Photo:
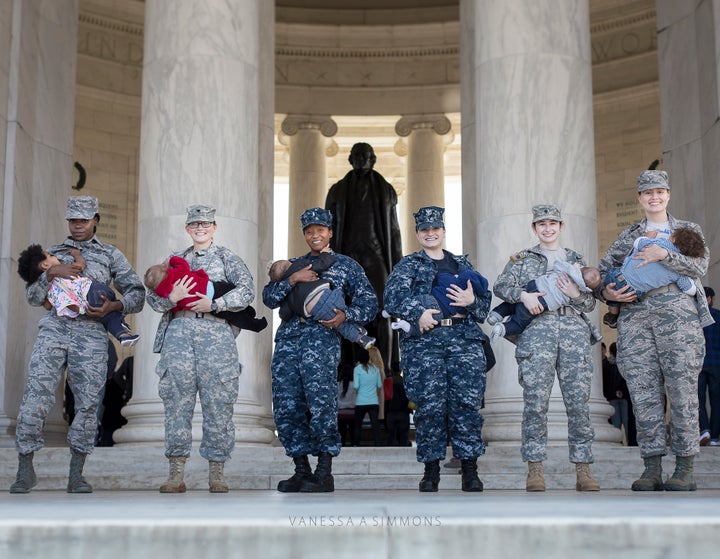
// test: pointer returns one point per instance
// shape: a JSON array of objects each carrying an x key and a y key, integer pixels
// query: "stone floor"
[
  {"x": 377, "y": 524},
  {"x": 376, "y": 512}
]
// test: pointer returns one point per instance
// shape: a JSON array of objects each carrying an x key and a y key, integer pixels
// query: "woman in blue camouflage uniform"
[
  {"x": 198, "y": 355},
  {"x": 304, "y": 365},
  {"x": 80, "y": 344},
  {"x": 556, "y": 342},
  {"x": 444, "y": 366},
  {"x": 660, "y": 345}
]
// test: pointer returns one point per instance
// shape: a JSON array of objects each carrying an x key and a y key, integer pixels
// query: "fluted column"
[
  {"x": 527, "y": 138},
  {"x": 38, "y": 44},
  {"x": 206, "y": 137},
  {"x": 427, "y": 135},
  {"x": 689, "y": 66},
  {"x": 307, "y": 139}
]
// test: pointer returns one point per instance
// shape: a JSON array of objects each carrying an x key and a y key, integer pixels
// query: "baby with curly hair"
[
  {"x": 646, "y": 277},
  {"x": 71, "y": 296}
]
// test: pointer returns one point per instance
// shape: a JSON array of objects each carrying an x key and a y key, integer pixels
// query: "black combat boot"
[
  {"x": 470, "y": 479},
  {"x": 302, "y": 472},
  {"x": 76, "y": 481},
  {"x": 322, "y": 480},
  {"x": 26, "y": 478},
  {"x": 431, "y": 478}
]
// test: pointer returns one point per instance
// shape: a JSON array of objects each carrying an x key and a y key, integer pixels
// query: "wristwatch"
[{"x": 213, "y": 306}]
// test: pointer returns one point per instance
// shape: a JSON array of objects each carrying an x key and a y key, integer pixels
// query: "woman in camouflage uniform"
[
  {"x": 304, "y": 364},
  {"x": 444, "y": 365},
  {"x": 80, "y": 344},
  {"x": 556, "y": 342},
  {"x": 198, "y": 355},
  {"x": 660, "y": 345}
]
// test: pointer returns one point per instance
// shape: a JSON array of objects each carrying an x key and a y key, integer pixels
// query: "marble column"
[
  {"x": 308, "y": 144},
  {"x": 689, "y": 65},
  {"x": 206, "y": 137},
  {"x": 38, "y": 43},
  {"x": 527, "y": 131},
  {"x": 427, "y": 135}
]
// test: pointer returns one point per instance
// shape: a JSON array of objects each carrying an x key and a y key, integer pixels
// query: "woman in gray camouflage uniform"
[
  {"x": 556, "y": 342},
  {"x": 80, "y": 344},
  {"x": 660, "y": 345},
  {"x": 199, "y": 355}
]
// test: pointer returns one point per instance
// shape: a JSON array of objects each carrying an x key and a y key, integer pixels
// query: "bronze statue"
[{"x": 365, "y": 228}]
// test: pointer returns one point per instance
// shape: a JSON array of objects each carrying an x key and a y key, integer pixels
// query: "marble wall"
[{"x": 688, "y": 46}]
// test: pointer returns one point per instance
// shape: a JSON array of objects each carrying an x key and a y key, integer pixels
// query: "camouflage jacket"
[
  {"x": 694, "y": 268},
  {"x": 414, "y": 276},
  {"x": 345, "y": 274},
  {"x": 220, "y": 264},
  {"x": 104, "y": 263},
  {"x": 530, "y": 264}
]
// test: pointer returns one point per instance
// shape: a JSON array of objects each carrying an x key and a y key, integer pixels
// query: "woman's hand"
[
  {"x": 567, "y": 286},
  {"x": 426, "y": 321},
  {"x": 461, "y": 297},
  {"x": 336, "y": 321},
  {"x": 650, "y": 254},
  {"x": 66, "y": 271},
  {"x": 532, "y": 302},
  {"x": 203, "y": 304},
  {"x": 624, "y": 295},
  {"x": 106, "y": 307},
  {"x": 182, "y": 288},
  {"x": 304, "y": 275}
]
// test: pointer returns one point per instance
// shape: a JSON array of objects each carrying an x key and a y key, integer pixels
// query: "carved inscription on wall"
[
  {"x": 108, "y": 226},
  {"x": 625, "y": 37},
  {"x": 110, "y": 40},
  {"x": 627, "y": 213}
]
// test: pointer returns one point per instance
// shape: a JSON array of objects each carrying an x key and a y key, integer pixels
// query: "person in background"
[{"x": 709, "y": 379}]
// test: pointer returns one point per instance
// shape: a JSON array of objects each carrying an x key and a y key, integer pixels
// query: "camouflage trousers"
[
  {"x": 445, "y": 377},
  {"x": 304, "y": 379},
  {"x": 199, "y": 357},
  {"x": 555, "y": 344},
  {"x": 80, "y": 344},
  {"x": 661, "y": 347}
]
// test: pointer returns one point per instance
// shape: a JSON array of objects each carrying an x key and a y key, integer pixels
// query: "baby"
[
  {"x": 316, "y": 299},
  {"x": 439, "y": 300},
  {"x": 587, "y": 278},
  {"x": 653, "y": 275},
  {"x": 70, "y": 297},
  {"x": 162, "y": 277}
]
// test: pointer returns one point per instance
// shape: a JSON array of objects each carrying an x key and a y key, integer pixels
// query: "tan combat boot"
[
  {"x": 585, "y": 481},
  {"x": 175, "y": 483},
  {"x": 217, "y": 478},
  {"x": 536, "y": 477}
]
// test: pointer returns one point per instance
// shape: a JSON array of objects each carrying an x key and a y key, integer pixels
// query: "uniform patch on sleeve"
[{"x": 516, "y": 257}]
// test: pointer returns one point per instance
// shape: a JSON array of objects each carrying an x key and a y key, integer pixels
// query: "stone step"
[{"x": 139, "y": 467}]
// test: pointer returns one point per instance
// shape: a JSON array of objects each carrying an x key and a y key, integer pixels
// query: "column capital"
[
  {"x": 294, "y": 122},
  {"x": 438, "y": 122}
]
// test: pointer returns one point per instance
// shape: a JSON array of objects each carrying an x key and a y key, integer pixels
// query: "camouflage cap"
[
  {"x": 429, "y": 216},
  {"x": 546, "y": 211},
  {"x": 316, "y": 216},
  {"x": 200, "y": 213},
  {"x": 653, "y": 179},
  {"x": 82, "y": 207}
]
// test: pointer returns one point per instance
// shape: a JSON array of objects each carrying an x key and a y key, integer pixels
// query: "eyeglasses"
[{"x": 203, "y": 224}]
